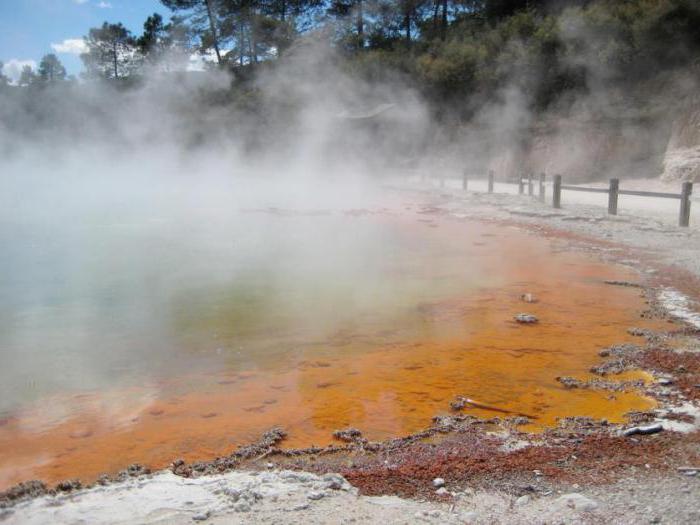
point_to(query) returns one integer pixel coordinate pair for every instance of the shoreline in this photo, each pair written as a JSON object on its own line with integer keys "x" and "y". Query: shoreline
{"x": 493, "y": 456}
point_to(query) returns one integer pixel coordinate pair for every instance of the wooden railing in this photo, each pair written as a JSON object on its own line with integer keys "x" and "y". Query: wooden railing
{"x": 613, "y": 191}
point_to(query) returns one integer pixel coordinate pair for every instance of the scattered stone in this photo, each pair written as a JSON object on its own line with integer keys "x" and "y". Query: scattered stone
{"x": 349, "y": 435}
{"x": 438, "y": 482}
{"x": 689, "y": 471}
{"x": 624, "y": 283}
{"x": 522, "y": 500}
{"x": 24, "y": 490}
{"x": 68, "y": 485}
{"x": 643, "y": 430}
{"x": 528, "y": 298}
{"x": 335, "y": 482}
{"x": 241, "y": 506}
{"x": 303, "y": 506}
{"x": 523, "y": 318}
{"x": 597, "y": 384}
{"x": 315, "y": 495}
{"x": 202, "y": 516}
{"x": 458, "y": 404}
{"x": 575, "y": 501}
{"x": 442, "y": 491}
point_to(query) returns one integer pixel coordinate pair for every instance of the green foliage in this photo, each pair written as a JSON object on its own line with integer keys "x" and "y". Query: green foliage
{"x": 27, "y": 77}
{"x": 4, "y": 81}
{"x": 111, "y": 52}
{"x": 51, "y": 70}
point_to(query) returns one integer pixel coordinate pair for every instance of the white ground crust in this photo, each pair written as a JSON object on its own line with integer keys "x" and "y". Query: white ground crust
{"x": 679, "y": 306}
{"x": 298, "y": 497}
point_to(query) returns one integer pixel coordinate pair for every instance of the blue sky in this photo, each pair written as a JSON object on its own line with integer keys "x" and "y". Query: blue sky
{"x": 30, "y": 29}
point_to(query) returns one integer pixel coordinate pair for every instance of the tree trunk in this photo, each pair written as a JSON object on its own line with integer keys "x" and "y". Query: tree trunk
{"x": 115, "y": 63}
{"x": 407, "y": 26}
{"x": 443, "y": 27}
{"x": 254, "y": 36}
{"x": 241, "y": 43}
{"x": 212, "y": 27}
{"x": 360, "y": 25}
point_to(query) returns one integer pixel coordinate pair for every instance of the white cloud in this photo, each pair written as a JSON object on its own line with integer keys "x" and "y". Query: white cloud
{"x": 71, "y": 46}
{"x": 13, "y": 68}
{"x": 104, "y": 5}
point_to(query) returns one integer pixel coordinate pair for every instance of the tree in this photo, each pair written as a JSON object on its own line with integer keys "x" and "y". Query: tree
{"x": 204, "y": 19}
{"x": 111, "y": 51}
{"x": 27, "y": 77}
{"x": 51, "y": 70}
{"x": 4, "y": 81}
{"x": 166, "y": 46}
{"x": 351, "y": 10}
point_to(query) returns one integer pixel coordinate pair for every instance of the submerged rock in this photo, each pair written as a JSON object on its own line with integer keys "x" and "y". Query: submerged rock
{"x": 347, "y": 434}
{"x": 528, "y": 298}
{"x": 526, "y": 319}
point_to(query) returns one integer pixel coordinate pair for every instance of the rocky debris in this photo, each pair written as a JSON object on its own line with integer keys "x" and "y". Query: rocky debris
{"x": 458, "y": 404}
{"x": 643, "y": 430}
{"x": 438, "y": 482}
{"x": 22, "y": 491}
{"x": 689, "y": 471}
{"x": 349, "y": 435}
{"x": 581, "y": 424}
{"x": 640, "y": 332}
{"x": 624, "y": 358}
{"x": 612, "y": 367}
{"x": 264, "y": 447}
{"x": 623, "y": 283}
{"x": 524, "y": 318}
{"x": 638, "y": 418}
{"x": 622, "y": 350}
{"x": 597, "y": 384}
{"x": 68, "y": 485}
{"x": 575, "y": 501}
{"x": 522, "y": 500}
{"x": 201, "y": 516}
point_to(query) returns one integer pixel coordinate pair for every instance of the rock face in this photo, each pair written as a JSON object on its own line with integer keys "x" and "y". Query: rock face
{"x": 587, "y": 147}
{"x": 682, "y": 159}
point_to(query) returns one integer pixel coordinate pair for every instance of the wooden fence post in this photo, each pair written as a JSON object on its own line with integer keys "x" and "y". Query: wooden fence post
{"x": 492, "y": 176}
{"x": 541, "y": 194}
{"x": 521, "y": 187}
{"x": 613, "y": 193}
{"x": 556, "y": 192}
{"x": 465, "y": 180}
{"x": 686, "y": 192}
{"x": 530, "y": 187}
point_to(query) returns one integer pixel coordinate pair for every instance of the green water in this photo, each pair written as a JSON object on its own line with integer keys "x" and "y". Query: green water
{"x": 101, "y": 303}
